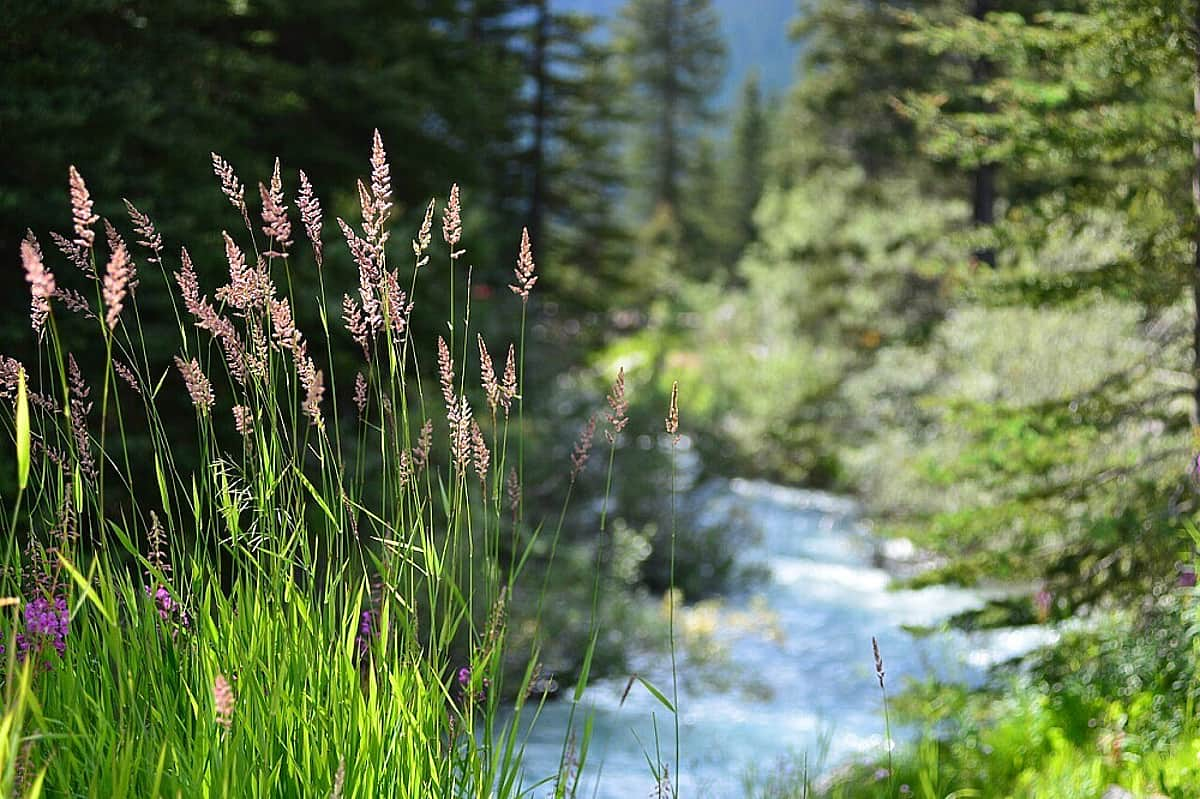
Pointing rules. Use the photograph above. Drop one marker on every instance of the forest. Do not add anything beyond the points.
(524, 398)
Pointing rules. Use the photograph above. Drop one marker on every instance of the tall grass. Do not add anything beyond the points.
(304, 593)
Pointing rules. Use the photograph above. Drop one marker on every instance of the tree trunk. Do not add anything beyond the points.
(1196, 221)
(668, 183)
(983, 200)
(537, 193)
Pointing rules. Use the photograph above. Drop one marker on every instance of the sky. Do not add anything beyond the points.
(756, 33)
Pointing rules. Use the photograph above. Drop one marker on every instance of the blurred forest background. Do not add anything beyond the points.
(937, 254)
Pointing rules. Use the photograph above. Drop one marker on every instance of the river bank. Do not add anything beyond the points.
(783, 670)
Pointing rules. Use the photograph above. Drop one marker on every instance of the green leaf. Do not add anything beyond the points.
(312, 491)
(85, 586)
(23, 436)
(659, 695)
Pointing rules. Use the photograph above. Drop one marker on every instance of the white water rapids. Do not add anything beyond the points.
(803, 674)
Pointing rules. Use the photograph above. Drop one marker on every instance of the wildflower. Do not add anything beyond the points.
(162, 600)
(570, 768)
(619, 416)
(381, 179)
(158, 546)
(628, 688)
(673, 413)
(465, 678)
(662, 787)
(461, 442)
(424, 236)
(81, 210)
(424, 444)
(249, 287)
(23, 767)
(406, 471)
(452, 222)
(40, 280)
(74, 301)
(125, 373)
(47, 623)
(491, 386)
(360, 393)
(283, 326)
(356, 325)
(10, 372)
(1043, 603)
(524, 269)
(879, 672)
(276, 225)
(583, 447)
(233, 189)
(446, 376)
(144, 227)
(49, 619)
(509, 385)
(76, 253)
(79, 411)
(208, 319)
(223, 701)
(312, 380)
(118, 278)
(197, 382)
(480, 453)
(512, 486)
(366, 633)
(1187, 577)
(243, 419)
(310, 215)
(398, 307)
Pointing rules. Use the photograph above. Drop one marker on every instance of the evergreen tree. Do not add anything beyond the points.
(574, 182)
(748, 168)
(709, 237)
(673, 60)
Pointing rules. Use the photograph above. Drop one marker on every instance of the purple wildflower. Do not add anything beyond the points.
(169, 609)
(464, 687)
(47, 622)
(1043, 603)
(1187, 577)
(366, 632)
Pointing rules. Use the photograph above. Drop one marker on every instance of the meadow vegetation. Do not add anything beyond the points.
(309, 591)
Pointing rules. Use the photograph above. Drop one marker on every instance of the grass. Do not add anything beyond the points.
(305, 592)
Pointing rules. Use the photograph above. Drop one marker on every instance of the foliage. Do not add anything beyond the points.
(1111, 705)
(319, 598)
(672, 60)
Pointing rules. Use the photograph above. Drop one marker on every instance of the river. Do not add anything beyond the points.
(801, 671)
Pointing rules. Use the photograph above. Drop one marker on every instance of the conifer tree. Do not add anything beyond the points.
(573, 182)
(748, 168)
(673, 60)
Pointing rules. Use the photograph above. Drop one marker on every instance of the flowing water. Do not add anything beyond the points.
(797, 675)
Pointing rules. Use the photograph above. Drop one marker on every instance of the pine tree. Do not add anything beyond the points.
(748, 163)
(673, 60)
(573, 179)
